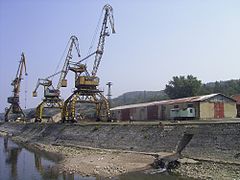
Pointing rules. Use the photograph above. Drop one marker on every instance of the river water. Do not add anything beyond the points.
(21, 163)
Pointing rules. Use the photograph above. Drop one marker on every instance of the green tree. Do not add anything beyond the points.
(181, 86)
(218, 88)
(205, 89)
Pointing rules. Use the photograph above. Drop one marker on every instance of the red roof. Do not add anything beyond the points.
(237, 98)
(172, 101)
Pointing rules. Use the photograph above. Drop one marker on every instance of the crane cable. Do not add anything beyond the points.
(91, 45)
(90, 48)
(95, 35)
(25, 92)
(61, 59)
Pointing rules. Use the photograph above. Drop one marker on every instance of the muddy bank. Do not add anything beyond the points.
(99, 162)
(217, 142)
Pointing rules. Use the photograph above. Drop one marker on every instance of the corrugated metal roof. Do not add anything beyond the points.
(135, 105)
(171, 101)
(237, 98)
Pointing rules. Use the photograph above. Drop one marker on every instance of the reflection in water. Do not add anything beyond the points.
(12, 157)
(49, 172)
(5, 142)
(16, 162)
(38, 163)
(147, 176)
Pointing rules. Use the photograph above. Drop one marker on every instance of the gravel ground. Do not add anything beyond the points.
(210, 170)
(109, 163)
(211, 143)
(90, 162)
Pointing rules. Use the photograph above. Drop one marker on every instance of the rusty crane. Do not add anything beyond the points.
(86, 84)
(52, 98)
(15, 108)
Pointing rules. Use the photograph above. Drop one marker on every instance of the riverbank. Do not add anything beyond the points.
(96, 162)
(86, 161)
(113, 149)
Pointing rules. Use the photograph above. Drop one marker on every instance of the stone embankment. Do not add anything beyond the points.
(216, 142)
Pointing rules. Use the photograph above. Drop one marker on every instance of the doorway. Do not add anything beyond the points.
(218, 110)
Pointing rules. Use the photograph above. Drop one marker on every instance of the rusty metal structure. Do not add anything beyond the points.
(52, 98)
(166, 163)
(15, 108)
(86, 84)
(109, 94)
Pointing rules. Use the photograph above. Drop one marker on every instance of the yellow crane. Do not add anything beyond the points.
(86, 84)
(15, 110)
(52, 98)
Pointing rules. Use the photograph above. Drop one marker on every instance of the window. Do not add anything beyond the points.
(176, 106)
(191, 110)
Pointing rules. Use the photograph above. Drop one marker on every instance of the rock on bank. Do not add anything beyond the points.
(210, 141)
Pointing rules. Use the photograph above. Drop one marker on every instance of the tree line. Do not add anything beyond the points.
(181, 86)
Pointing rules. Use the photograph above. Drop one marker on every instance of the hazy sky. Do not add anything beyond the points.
(155, 40)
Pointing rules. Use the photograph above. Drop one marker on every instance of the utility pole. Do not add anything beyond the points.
(109, 94)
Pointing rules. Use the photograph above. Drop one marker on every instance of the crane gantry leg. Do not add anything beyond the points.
(102, 111)
(14, 110)
(47, 103)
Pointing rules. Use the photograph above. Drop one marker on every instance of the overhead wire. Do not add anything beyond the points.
(95, 35)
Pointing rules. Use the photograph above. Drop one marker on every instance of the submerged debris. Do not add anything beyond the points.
(171, 161)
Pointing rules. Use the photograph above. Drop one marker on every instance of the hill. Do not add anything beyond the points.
(138, 97)
(229, 88)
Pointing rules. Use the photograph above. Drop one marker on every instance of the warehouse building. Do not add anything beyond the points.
(237, 98)
(212, 106)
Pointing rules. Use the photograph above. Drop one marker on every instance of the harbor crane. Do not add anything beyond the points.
(15, 109)
(86, 83)
(52, 95)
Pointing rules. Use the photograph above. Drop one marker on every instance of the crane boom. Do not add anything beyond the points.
(86, 84)
(108, 16)
(73, 42)
(16, 82)
(15, 108)
(45, 82)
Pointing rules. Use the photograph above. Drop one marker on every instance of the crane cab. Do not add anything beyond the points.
(51, 93)
(64, 83)
(34, 94)
(13, 100)
(87, 82)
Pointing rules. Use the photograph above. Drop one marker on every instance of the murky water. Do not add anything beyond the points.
(19, 163)
(150, 176)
